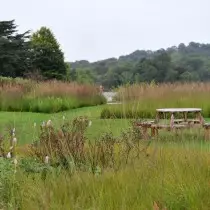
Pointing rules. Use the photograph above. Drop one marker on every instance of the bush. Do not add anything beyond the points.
(67, 145)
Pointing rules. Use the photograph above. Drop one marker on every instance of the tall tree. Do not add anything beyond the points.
(14, 50)
(48, 57)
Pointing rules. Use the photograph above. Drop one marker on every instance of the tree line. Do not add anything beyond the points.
(178, 63)
(39, 55)
(26, 54)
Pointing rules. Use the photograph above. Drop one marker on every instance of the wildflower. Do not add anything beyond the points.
(90, 123)
(43, 124)
(49, 123)
(46, 160)
(14, 141)
(13, 132)
(15, 161)
(9, 155)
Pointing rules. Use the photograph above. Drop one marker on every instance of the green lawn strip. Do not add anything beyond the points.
(26, 132)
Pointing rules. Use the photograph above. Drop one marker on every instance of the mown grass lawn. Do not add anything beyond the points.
(26, 132)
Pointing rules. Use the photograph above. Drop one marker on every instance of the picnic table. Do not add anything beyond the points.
(174, 124)
(184, 111)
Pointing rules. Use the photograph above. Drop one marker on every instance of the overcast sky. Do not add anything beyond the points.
(99, 29)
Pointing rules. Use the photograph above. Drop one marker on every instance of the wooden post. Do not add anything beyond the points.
(197, 115)
(201, 118)
(144, 128)
(172, 121)
(154, 131)
(207, 132)
(157, 117)
(185, 116)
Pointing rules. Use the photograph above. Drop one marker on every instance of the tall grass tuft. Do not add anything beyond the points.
(46, 97)
(142, 100)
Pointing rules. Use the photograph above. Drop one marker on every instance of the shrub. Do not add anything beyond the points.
(63, 144)
(67, 145)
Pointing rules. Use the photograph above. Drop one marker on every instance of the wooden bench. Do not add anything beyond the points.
(145, 126)
(155, 128)
(178, 121)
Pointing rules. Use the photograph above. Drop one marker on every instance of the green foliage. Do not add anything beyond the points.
(68, 147)
(47, 55)
(84, 77)
(182, 63)
(14, 50)
(8, 184)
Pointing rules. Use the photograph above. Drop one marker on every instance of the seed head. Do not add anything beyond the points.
(46, 160)
(90, 123)
(43, 124)
(9, 155)
(13, 132)
(15, 161)
(49, 123)
(14, 141)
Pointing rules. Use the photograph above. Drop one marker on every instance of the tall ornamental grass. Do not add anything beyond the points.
(46, 97)
(142, 100)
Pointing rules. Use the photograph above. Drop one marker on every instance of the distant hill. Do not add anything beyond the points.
(177, 63)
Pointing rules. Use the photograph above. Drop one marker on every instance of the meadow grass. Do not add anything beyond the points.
(170, 177)
(47, 96)
(142, 100)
